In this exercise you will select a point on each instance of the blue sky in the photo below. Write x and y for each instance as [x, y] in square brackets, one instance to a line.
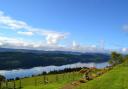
[83, 22]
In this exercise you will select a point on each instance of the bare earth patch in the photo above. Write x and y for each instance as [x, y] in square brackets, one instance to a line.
[71, 85]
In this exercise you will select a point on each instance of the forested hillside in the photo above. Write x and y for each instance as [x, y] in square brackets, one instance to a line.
[14, 60]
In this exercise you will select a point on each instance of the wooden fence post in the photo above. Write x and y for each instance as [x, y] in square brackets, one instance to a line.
[20, 86]
[57, 79]
[69, 76]
[35, 81]
[44, 79]
[14, 85]
[0, 85]
[6, 84]
[47, 80]
[64, 76]
[73, 76]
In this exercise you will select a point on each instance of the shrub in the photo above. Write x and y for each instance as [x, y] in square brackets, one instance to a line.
[82, 80]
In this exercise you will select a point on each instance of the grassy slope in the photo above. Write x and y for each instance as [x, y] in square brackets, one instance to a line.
[114, 79]
[29, 83]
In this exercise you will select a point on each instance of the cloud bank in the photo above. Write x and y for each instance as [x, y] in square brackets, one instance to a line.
[52, 38]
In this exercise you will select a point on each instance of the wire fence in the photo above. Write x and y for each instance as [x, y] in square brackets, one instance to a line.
[41, 80]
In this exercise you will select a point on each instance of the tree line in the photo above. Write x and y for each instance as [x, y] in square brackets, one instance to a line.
[117, 58]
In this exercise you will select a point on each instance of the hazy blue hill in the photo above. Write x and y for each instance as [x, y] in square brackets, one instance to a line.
[14, 58]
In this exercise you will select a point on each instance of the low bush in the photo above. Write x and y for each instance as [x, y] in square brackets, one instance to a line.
[82, 80]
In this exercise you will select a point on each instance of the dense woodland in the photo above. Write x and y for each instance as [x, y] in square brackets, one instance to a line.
[15, 60]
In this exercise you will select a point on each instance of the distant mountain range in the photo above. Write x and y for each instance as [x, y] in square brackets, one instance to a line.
[22, 58]
[36, 51]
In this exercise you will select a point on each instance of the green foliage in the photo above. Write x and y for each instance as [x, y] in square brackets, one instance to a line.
[2, 78]
[126, 58]
[116, 58]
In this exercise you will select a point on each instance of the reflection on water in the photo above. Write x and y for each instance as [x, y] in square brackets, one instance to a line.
[38, 70]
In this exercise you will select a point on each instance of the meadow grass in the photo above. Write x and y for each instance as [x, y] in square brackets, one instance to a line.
[55, 81]
[117, 78]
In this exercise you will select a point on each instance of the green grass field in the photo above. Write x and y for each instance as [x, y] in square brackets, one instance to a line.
[117, 78]
[54, 81]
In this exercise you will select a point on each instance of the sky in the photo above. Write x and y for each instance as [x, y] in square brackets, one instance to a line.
[67, 25]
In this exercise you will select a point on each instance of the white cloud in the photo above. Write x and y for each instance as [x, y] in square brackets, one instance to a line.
[52, 37]
[1, 44]
[86, 48]
[124, 50]
[11, 23]
[125, 28]
[9, 42]
[75, 45]
[27, 33]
